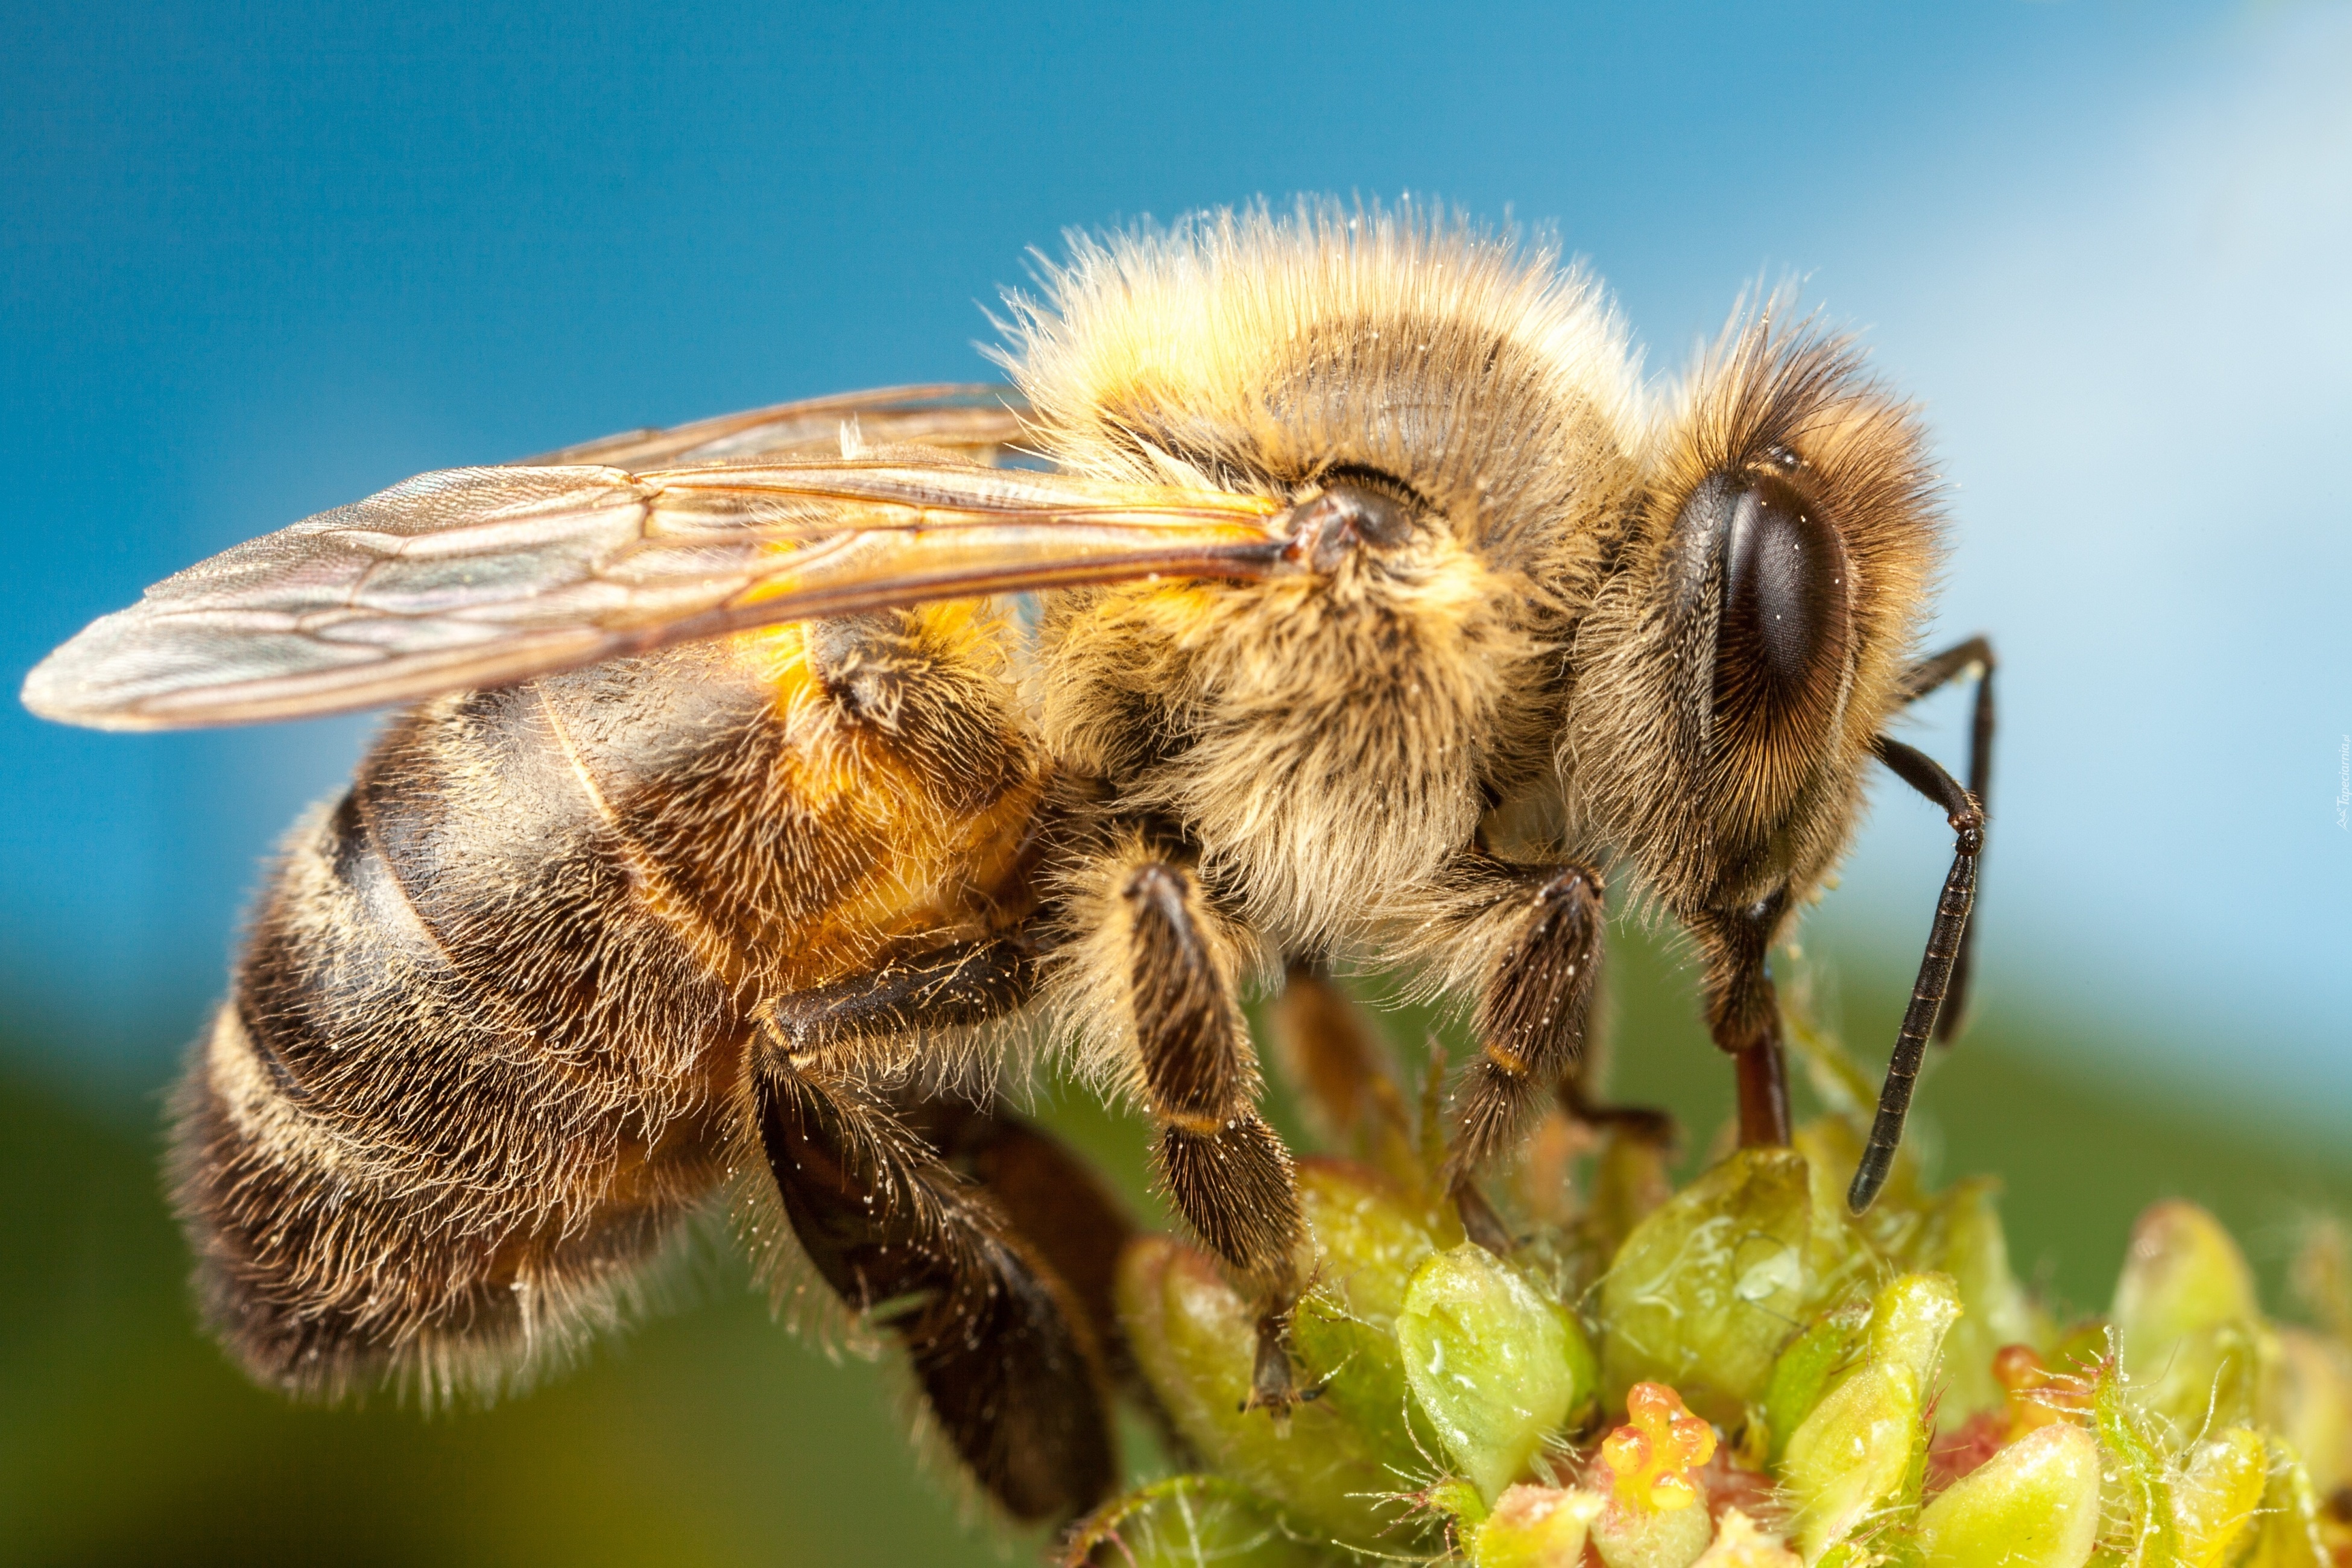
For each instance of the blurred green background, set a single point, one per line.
(712, 1436)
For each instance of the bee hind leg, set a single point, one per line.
(994, 1272)
(1224, 1167)
(952, 986)
(1052, 1202)
(1002, 1345)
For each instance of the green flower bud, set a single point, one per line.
(1955, 1231)
(2314, 1408)
(1636, 1538)
(2215, 1500)
(1847, 1254)
(1534, 1527)
(1739, 1544)
(1193, 1339)
(1702, 1294)
(1853, 1454)
(1190, 1521)
(1370, 1235)
(1806, 1369)
(1833, 1146)
(2146, 1483)
(1966, 1241)
(2192, 1337)
(2035, 1504)
(2287, 1531)
(1343, 1335)
(1495, 1362)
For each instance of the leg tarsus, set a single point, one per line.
(1480, 1223)
(1646, 1123)
(1530, 1017)
(1233, 1185)
(1273, 1382)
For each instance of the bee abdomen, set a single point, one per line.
(483, 1050)
(323, 1272)
(438, 1151)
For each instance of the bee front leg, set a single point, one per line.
(1226, 1171)
(1743, 1015)
(1541, 928)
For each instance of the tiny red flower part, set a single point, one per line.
(1650, 1459)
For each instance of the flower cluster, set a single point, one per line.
(1738, 1374)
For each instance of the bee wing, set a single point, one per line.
(477, 576)
(975, 422)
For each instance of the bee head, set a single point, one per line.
(1748, 644)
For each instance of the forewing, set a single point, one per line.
(475, 576)
(980, 423)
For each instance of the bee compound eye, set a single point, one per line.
(1787, 598)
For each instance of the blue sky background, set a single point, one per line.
(254, 262)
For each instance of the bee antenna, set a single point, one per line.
(1926, 776)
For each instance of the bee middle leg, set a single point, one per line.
(1224, 1167)
(1541, 926)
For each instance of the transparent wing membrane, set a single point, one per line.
(475, 576)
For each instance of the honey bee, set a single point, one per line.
(1377, 608)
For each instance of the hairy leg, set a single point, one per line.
(1534, 933)
(1225, 1170)
(984, 1246)
(1052, 1202)
(958, 984)
(1000, 1346)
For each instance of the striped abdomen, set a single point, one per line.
(488, 1043)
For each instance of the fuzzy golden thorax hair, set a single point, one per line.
(1323, 734)
(1750, 642)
